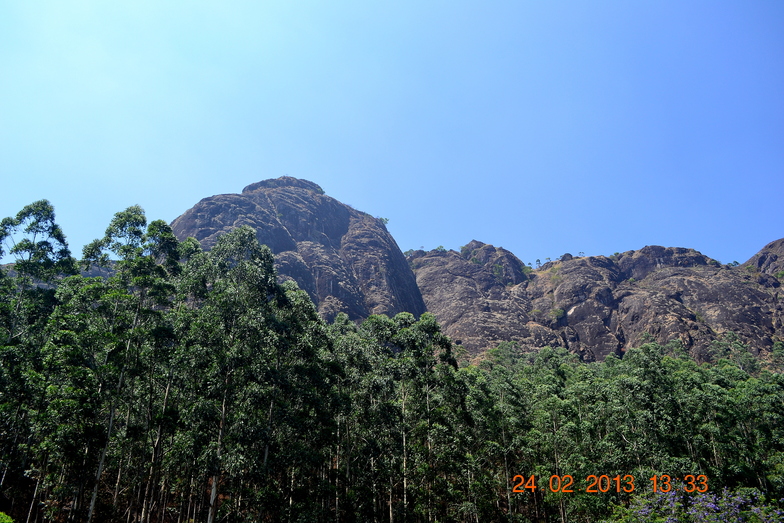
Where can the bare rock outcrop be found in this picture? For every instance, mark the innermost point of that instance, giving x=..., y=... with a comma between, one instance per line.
x=345, y=259
x=770, y=260
x=483, y=295
x=596, y=305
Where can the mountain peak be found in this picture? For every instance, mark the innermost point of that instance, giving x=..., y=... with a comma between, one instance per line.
x=483, y=295
x=770, y=260
x=344, y=259
x=283, y=181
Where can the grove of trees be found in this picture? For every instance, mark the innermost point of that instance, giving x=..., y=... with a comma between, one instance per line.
x=183, y=385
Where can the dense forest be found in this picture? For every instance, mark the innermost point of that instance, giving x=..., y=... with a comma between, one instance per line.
x=186, y=385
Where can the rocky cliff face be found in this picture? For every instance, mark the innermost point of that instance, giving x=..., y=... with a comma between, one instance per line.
x=770, y=260
x=345, y=259
x=596, y=306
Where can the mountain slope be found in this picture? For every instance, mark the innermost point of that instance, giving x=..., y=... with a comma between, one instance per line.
x=344, y=259
x=596, y=305
x=770, y=260
x=348, y=262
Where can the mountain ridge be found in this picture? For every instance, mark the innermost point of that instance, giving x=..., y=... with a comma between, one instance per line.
x=484, y=295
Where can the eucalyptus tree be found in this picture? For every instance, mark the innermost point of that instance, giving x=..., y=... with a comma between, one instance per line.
x=254, y=352
x=40, y=255
x=430, y=404
x=135, y=369
x=362, y=457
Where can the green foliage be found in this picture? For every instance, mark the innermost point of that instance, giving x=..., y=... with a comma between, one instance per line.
x=440, y=248
x=498, y=272
x=191, y=383
x=555, y=277
x=41, y=256
x=385, y=221
x=557, y=314
x=41, y=252
x=779, y=275
x=5, y=518
x=730, y=348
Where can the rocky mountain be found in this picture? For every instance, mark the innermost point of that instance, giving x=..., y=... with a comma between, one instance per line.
x=597, y=305
x=348, y=262
x=770, y=260
x=344, y=259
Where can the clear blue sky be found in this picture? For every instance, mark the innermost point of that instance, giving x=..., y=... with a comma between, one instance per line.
x=542, y=127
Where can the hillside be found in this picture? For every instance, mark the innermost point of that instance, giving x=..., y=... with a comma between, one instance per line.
x=595, y=306
x=347, y=261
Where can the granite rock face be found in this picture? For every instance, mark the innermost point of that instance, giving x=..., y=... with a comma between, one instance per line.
x=484, y=295
x=770, y=260
x=596, y=305
x=344, y=259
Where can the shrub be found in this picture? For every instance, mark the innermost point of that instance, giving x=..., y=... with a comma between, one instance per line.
x=498, y=272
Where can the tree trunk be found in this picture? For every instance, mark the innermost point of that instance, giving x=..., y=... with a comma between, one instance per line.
x=32, y=503
x=154, y=459
x=216, y=475
x=105, y=448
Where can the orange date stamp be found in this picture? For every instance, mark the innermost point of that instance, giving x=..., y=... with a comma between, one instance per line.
x=597, y=484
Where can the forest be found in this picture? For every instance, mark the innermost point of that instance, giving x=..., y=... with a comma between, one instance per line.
x=180, y=385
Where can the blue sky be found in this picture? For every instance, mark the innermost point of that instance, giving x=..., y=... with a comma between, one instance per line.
x=542, y=127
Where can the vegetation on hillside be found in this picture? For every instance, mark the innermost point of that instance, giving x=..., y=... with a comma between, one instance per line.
x=191, y=386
